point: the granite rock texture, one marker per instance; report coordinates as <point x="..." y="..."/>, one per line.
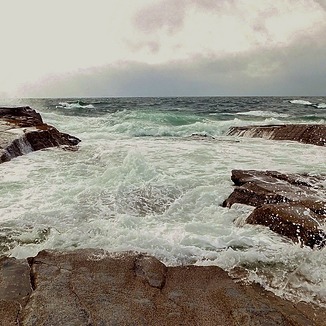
<point x="94" y="287"/>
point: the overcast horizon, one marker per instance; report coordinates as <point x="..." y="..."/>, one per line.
<point x="144" y="48"/>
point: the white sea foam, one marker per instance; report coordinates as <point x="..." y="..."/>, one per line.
<point x="303" y="102"/>
<point x="266" y="114"/>
<point x="75" y="105"/>
<point x="320" y="106"/>
<point x="158" y="195"/>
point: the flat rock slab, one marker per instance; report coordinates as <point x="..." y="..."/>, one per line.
<point x="15" y="289"/>
<point x="292" y="205"/>
<point x="94" y="287"/>
<point x="304" y="133"/>
<point x="22" y="130"/>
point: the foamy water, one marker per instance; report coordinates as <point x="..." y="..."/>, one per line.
<point x="140" y="182"/>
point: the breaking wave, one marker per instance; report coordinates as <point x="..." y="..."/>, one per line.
<point x="75" y="105"/>
<point x="302" y="102"/>
<point x="139" y="183"/>
<point x="320" y="106"/>
<point x="266" y="114"/>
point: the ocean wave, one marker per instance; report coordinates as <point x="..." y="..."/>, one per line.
<point x="265" y="114"/>
<point x="75" y="105"/>
<point x="161" y="194"/>
<point x="315" y="105"/>
<point x="320" y="106"/>
<point x="302" y="102"/>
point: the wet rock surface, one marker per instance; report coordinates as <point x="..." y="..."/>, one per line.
<point x="94" y="287"/>
<point x="22" y="130"/>
<point x="292" y="205"/>
<point x="303" y="133"/>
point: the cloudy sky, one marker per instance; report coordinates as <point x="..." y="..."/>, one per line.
<point x="76" y="48"/>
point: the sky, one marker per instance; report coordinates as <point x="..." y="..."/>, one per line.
<point x="92" y="48"/>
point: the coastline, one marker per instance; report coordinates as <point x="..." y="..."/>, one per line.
<point x="240" y="313"/>
<point x="94" y="287"/>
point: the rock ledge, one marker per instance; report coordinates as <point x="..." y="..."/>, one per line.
<point x="22" y="130"/>
<point x="94" y="287"/>
<point x="304" y="133"/>
<point x="292" y="205"/>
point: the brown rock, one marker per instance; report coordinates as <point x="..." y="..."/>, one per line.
<point x="283" y="199"/>
<point x="240" y="177"/>
<point x="92" y="287"/>
<point x="303" y="133"/>
<point x="15" y="289"/>
<point x="22" y="131"/>
<point x="294" y="221"/>
<point x="256" y="188"/>
<point x="22" y="116"/>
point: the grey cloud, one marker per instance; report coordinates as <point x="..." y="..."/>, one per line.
<point x="295" y="70"/>
<point x="153" y="46"/>
<point x="213" y="4"/>
<point x="322" y="3"/>
<point x="169" y="14"/>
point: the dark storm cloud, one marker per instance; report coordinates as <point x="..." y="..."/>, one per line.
<point x="296" y="70"/>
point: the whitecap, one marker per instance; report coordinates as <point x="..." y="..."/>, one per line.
<point x="320" y="106"/>
<point x="259" y="113"/>
<point x="75" y="105"/>
<point x="302" y="102"/>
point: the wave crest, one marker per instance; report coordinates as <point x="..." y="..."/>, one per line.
<point x="266" y="114"/>
<point x="302" y="102"/>
<point x="75" y="105"/>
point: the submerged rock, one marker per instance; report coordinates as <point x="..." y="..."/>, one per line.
<point x="198" y="136"/>
<point x="292" y="205"/>
<point x="303" y="133"/>
<point x="94" y="287"/>
<point x="22" y="130"/>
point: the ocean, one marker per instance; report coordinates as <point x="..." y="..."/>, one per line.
<point x="140" y="181"/>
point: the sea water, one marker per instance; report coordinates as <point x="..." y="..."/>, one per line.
<point x="140" y="181"/>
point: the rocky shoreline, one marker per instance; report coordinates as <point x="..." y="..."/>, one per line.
<point x="94" y="287"/>
<point x="22" y="130"/>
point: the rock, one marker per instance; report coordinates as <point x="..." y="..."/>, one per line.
<point x="94" y="287"/>
<point x="292" y="205"/>
<point x="22" y="130"/>
<point x="303" y="133"/>
<point x="15" y="289"/>
<point x="22" y="116"/>
<point x="198" y="136"/>
<point x="294" y="221"/>
<point x="240" y="177"/>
